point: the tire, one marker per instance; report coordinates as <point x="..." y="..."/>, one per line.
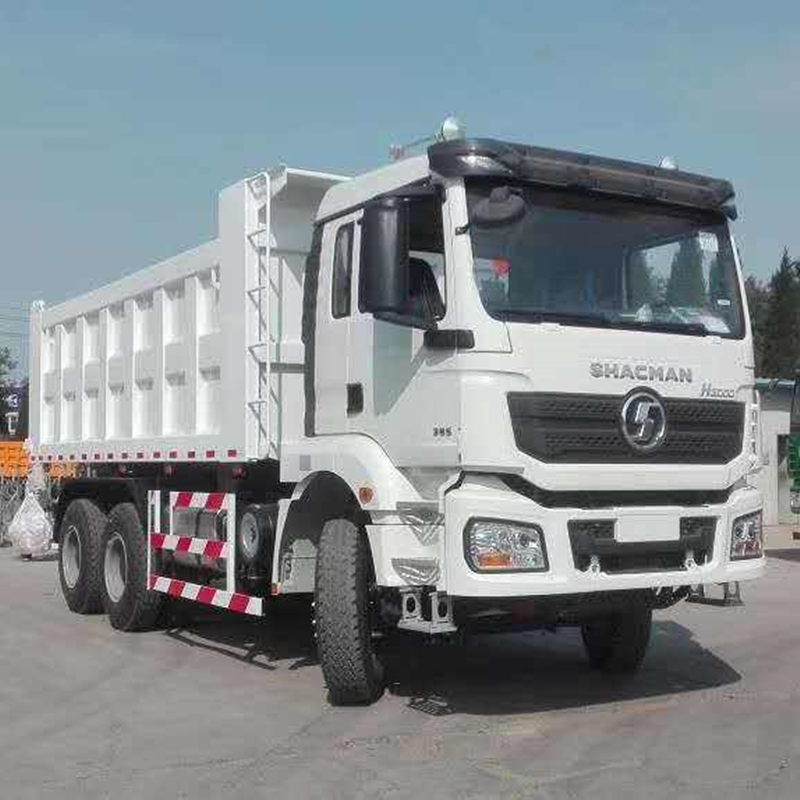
<point x="80" y="568"/>
<point x="343" y="615"/>
<point x="255" y="538"/>
<point x="618" y="643"/>
<point x="130" y="605"/>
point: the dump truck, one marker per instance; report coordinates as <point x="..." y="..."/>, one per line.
<point x="485" y="387"/>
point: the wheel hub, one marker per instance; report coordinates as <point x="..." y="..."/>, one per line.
<point x="71" y="556"/>
<point x="115" y="567"/>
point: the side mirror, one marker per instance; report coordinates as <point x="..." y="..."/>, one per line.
<point x="383" y="283"/>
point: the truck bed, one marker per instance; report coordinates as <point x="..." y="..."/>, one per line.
<point x="196" y="358"/>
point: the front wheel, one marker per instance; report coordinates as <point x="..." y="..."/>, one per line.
<point x="344" y="615"/>
<point x="618" y="642"/>
<point x="128" y="601"/>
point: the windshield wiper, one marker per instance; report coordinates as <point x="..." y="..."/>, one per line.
<point x="522" y="314"/>
<point x="596" y="319"/>
<point x="690" y="328"/>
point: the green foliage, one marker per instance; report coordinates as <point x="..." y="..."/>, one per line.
<point x="7" y="364"/>
<point x="780" y="327"/>
<point x="641" y="287"/>
<point x="686" y="286"/>
<point x="758" y="297"/>
<point x="717" y="288"/>
<point x="775" y="320"/>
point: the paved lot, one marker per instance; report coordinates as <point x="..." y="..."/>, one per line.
<point x="228" y="709"/>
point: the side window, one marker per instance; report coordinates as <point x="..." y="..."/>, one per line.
<point x="426" y="259"/>
<point x="342" y="271"/>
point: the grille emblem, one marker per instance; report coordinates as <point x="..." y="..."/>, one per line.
<point x="644" y="421"/>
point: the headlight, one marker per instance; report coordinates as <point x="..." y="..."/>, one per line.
<point x="747" y="537"/>
<point x="494" y="545"/>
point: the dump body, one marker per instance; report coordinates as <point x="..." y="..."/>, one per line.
<point x="191" y="358"/>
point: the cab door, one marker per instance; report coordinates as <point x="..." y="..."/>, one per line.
<point x="335" y="300"/>
<point x="404" y="395"/>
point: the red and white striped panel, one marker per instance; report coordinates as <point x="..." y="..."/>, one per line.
<point x="213" y="548"/>
<point x="232" y="601"/>
<point x="203" y="501"/>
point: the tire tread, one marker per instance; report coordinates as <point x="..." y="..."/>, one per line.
<point x="139" y="608"/>
<point x="349" y="665"/>
<point x="86" y="597"/>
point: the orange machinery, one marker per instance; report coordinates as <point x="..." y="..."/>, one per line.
<point x="14" y="463"/>
<point x="13" y="460"/>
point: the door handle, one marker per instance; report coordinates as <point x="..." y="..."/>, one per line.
<point x="355" y="399"/>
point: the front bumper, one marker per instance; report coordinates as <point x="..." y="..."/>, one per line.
<point x="488" y="496"/>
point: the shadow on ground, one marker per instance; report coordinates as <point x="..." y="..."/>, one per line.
<point x="787" y="554"/>
<point x="483" y="675"/>
<point x="538" y="671"/>
<point x="284" y="634"/>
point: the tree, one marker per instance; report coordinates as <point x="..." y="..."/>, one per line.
<point x="686" y="285"/>
<point x="758" y="299"/>
<point x="781" y="327"/>
<point x="7" y="364"/>
<point x="717" y="288"/>
<point x="641" y="288"/>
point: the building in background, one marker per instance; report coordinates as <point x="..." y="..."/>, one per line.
<point x="773" y="479"/>
<point x="14" y="412"/>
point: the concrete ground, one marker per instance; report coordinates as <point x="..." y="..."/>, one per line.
<point x="225" y="708"/>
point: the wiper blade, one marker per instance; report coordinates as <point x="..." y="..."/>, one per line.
<point x="559" y="317"/>
<point x="594" y="319"/>
<point x="690" y="328"/>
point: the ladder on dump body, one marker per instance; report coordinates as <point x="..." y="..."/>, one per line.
<point x="159" y="540"/>
<point x="257" y="232"/>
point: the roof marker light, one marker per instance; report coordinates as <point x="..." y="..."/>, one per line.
<point x="451" y="129"/>
<point x="669" y="162"/>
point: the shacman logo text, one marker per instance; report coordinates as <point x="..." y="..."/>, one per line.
<point x="640" y="372"/>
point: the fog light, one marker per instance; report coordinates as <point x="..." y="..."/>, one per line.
<point x="493" y="545"/>
<point x="747" y="537"/>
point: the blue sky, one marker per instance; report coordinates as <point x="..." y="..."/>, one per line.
<point x="120" y="121"/>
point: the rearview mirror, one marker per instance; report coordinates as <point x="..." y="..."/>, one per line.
<point x="383" y="285"/>
<point x="502" y="207"/>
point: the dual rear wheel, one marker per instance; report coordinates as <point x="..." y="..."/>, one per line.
<point x="103" y="565"/>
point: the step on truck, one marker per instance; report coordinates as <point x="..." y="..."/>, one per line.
<point x="489" y="386"/>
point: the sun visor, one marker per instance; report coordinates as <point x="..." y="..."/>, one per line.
<point x="540" y="165"/>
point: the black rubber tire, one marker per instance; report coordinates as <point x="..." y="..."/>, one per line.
<point x="137" y="608"/>
<point x="353" y="673"/>
<point x="618" y="642"/>
<point x="85" y="597"/>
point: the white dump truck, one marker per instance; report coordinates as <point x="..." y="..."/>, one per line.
<point x="490" y="386"/>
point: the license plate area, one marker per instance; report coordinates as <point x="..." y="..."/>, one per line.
<point x="647" y="528"/>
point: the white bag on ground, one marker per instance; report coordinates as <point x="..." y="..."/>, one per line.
<point x="31" y="529"/>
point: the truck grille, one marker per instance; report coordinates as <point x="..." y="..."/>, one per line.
<point x="595" y="539"/>
<point x="584" y="428"/>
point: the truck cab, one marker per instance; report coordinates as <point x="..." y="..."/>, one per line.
<point x="554" y="351"/>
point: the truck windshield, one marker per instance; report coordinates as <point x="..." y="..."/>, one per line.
<point x="551" y="255"/>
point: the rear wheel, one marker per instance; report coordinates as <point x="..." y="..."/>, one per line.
<point x="79" y="561"/>
<point x="128" y="601"/>
<point x="619" y="641"/>
<point x="344" y="615"/>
